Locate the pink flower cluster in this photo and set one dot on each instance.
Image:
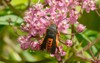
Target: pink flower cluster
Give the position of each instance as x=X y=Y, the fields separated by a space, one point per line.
x=36 y=23
x=61 y=12
x=89 y=5
x=27 y=43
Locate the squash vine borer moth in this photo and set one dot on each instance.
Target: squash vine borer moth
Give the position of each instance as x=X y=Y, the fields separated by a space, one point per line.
x=50 y=41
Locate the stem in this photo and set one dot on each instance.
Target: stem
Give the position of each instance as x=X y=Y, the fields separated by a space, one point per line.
x=29 y=2
x=72 y=32
x=61 y=41
x=98 y=54
x=68 y=33
x=71 y=56
x=17 y=12
x=8 y=41
x=91 y=44
x=83 y=58
x=38 y=1
x=86 y=48
x=91 y=52
x=97 y=13
x=14 y=28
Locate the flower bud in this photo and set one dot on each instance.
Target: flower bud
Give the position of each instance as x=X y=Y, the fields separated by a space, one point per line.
x=25 y=45
x=58 y=57
x=61 y=51
x=80 y=28
x=69 y=43
x=22 y=39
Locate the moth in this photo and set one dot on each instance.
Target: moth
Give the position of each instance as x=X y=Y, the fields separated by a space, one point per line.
x=50 y=41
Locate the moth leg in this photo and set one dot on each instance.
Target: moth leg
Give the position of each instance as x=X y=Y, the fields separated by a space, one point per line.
x=57 y=38
x=41 y=41
x=57 y=41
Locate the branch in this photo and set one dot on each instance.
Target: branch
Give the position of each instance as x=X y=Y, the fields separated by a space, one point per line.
x=17 y=12
x=13 y=27
x=98 y=54
x=38 y=1
x=29 y=2
x=61 y=41
x=72 y=32
x=98 y=13
x=84 y=58
x=90 y=44
x=91 y=52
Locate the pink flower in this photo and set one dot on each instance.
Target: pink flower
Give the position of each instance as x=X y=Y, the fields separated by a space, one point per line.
x=72 y=20
x=23 y=39
x=73 y=16
x=35 y=46
x=63 y=26
x=61 y=51
x=58 y=57
x=58 y=53
x=25 y=45
x=69 y=43
x=38 y=18
x=80 y=28
x=89 y=5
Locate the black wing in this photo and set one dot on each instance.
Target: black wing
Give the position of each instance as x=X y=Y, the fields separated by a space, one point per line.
x=53 y=48
x=43 y=45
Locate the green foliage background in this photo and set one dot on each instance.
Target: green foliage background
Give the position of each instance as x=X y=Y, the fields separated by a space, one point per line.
x=10 y=51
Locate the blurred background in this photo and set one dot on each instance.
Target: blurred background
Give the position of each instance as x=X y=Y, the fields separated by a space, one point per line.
x=11 y=16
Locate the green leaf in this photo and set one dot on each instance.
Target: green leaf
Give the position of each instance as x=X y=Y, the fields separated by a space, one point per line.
x=97 y=45
x=92 y=35
x=91 y=20
x=1 y=27
x=29 y=57
x=2 y=62
x=17 y=2
x=13 y=19
x=94 y=49
x=15 y=56
x=82 y=38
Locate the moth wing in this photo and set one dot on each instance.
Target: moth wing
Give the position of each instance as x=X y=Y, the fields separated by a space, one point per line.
x=43 y=45
x=55 y=44
x=53 y=48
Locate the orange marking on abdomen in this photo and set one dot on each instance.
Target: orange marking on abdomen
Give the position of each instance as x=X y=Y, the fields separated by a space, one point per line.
x=49 y=44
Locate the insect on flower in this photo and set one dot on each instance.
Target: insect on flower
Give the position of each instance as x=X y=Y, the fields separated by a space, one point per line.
x=50 y=41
